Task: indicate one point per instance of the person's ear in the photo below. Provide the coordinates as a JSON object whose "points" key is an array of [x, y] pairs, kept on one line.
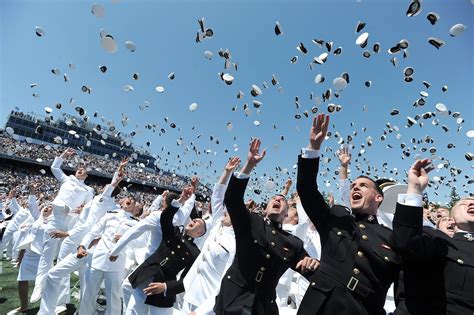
{"points": [[379, 198]]}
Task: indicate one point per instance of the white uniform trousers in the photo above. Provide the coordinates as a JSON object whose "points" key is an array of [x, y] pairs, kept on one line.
{"points": [[126, 292], [50, 248], [67, 247], [52, 287], [113, 292], [137, 306], [28, 266]]}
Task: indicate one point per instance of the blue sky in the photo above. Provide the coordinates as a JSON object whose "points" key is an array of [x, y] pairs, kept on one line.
{"points": [[164, 33]]}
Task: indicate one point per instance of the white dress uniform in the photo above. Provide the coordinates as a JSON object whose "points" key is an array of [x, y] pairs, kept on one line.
{"points": [[203, 280], [58, 278], [72, 194], [307, 234], [101, 268], [152, 225], [312, 244], [29, 230], [13, 230]]}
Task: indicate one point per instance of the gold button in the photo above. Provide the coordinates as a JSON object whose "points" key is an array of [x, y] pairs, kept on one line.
{"points": [[339, 233], [362, 226], [386, 259], [313, 284], [356, 271], [460, 261], [274, 232], [268, 256], [360, 254], [365, 237], [262, 269], [273, 243]]}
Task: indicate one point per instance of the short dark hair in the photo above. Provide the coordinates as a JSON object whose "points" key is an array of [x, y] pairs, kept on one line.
{"points": [[170, 197], [377, 187], [117, 190]]}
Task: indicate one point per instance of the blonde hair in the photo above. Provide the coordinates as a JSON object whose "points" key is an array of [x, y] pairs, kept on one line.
{"points": [[458, 202]]}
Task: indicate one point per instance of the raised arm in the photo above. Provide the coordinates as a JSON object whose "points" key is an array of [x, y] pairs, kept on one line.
{"points": [[408, 236], [149, 223], [217, 198], [56, 166], [97, 209], [344, 157], [156, 205], [287, 187], [182, 216], [308, 164], [234, 195], [166, 219]]}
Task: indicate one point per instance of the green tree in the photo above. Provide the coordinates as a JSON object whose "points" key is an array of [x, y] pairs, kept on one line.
{"points": [[454, 197]]}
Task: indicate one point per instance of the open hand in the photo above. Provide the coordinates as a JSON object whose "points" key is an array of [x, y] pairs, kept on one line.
{"points": [[232, 164], [254, 156], [68, 152], [344, 156], [418, 176], [318, 131], [123, 164]]}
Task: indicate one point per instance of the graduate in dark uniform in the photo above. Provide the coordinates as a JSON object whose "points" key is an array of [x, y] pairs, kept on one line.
{"points": [[176, 252], [450, 290], [358, 263], [263, 250]]}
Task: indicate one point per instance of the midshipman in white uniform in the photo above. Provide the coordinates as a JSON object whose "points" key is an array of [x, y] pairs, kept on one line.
{"points": [[72, 194], [203, 280]]}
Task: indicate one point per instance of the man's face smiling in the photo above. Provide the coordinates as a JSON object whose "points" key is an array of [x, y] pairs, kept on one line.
{"points": [[364, 196], [277, 208]]}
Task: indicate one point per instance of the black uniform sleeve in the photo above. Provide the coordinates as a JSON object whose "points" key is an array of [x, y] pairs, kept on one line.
{"points": [[311, 199], [408, 236], [166, 221], [234, 202]]}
